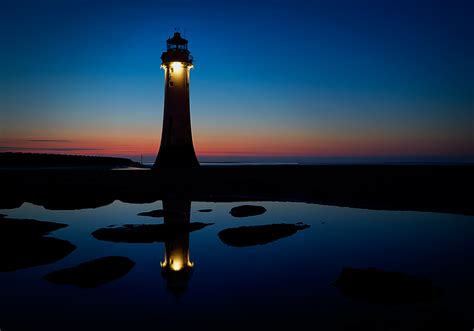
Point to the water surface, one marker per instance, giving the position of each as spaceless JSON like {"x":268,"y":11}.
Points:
{"x":286,"y":282}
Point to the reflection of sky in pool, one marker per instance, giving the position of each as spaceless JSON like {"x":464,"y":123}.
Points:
{"x":286,"y":281}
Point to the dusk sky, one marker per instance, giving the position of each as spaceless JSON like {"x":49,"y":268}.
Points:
{"x":290,"y":81}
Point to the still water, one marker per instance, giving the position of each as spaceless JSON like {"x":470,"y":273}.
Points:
{"x":283,"y":283}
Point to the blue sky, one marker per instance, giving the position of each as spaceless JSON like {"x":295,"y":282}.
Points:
{"x":285,"y":80}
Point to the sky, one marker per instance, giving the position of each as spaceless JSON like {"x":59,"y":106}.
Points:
{"x":279,"y":81}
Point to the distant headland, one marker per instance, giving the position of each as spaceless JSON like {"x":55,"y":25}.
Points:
{"x":34,"y":160}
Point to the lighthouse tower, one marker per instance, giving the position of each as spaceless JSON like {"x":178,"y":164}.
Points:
{"x":176,"y":148}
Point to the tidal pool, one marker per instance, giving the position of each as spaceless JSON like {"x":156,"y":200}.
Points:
{"x":186,"y":277}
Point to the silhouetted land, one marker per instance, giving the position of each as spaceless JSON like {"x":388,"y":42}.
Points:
{"x":29,"y":160}
{"x":438,"y":188}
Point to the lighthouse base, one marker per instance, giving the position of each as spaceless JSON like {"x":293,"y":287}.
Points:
{"x":178,"y":156}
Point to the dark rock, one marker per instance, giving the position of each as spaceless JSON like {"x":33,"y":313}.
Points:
{"x":162,"y":213}
{"x":32,"y":252}
{"x":14,"y":229}
{"x":92,"y":273}
{"x":2,"y":215}
{"x":247,"y":210}
{"x":22,"y":244}
{"x":258,"y":235}
{"x":378,"y":286}
{"x":204,"y":210}
{"x":153,"y":213}
{"x":146,"y":233}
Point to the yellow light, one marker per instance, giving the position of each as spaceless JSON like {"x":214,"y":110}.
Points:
{"x":176,"y":264}
{"x":176,"y":65}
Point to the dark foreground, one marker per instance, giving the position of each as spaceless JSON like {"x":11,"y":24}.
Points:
{"x":392,"y":187}
{"x":224,"y":265}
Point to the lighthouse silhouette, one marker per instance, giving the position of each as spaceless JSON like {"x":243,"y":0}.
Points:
{"x":176,"y":149}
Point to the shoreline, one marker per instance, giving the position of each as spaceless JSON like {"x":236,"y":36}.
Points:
{"x":431,"y":188}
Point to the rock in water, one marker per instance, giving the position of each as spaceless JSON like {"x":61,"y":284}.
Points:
{"x":204,"y":210}
{"x":92,"y":273}
{"x":164,"y":213}
{"x":247,"y":210}
{"x":153,"y":213}
{"x":378,"y":286}
{"x":32,"y":252}
{"x":258,"y":235}
{"x":23,"y":245}
{"x":14,"y":229}
{"x":145,"y":233}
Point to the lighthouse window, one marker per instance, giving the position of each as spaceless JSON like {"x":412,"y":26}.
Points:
{"x":171,"y":84}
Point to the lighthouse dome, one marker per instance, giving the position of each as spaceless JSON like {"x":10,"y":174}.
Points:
{"x":177,"y":40}
{"x":177,"y":50}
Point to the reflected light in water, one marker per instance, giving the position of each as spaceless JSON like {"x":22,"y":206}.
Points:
{"x":176,"y":265}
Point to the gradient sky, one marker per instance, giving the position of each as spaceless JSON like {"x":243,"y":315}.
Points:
{"x":275,"y":80}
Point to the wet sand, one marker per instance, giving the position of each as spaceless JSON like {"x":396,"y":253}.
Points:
{"x":437,"y":188}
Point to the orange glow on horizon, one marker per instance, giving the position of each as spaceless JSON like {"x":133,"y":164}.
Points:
{"x":133,"y":144}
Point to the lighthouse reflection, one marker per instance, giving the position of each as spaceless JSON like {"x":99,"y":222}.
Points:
{"x":176,"y":266}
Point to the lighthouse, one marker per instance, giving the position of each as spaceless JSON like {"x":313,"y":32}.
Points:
{"x":176,"y":149}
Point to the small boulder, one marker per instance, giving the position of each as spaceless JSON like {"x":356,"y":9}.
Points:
{"x":247,"y":210}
